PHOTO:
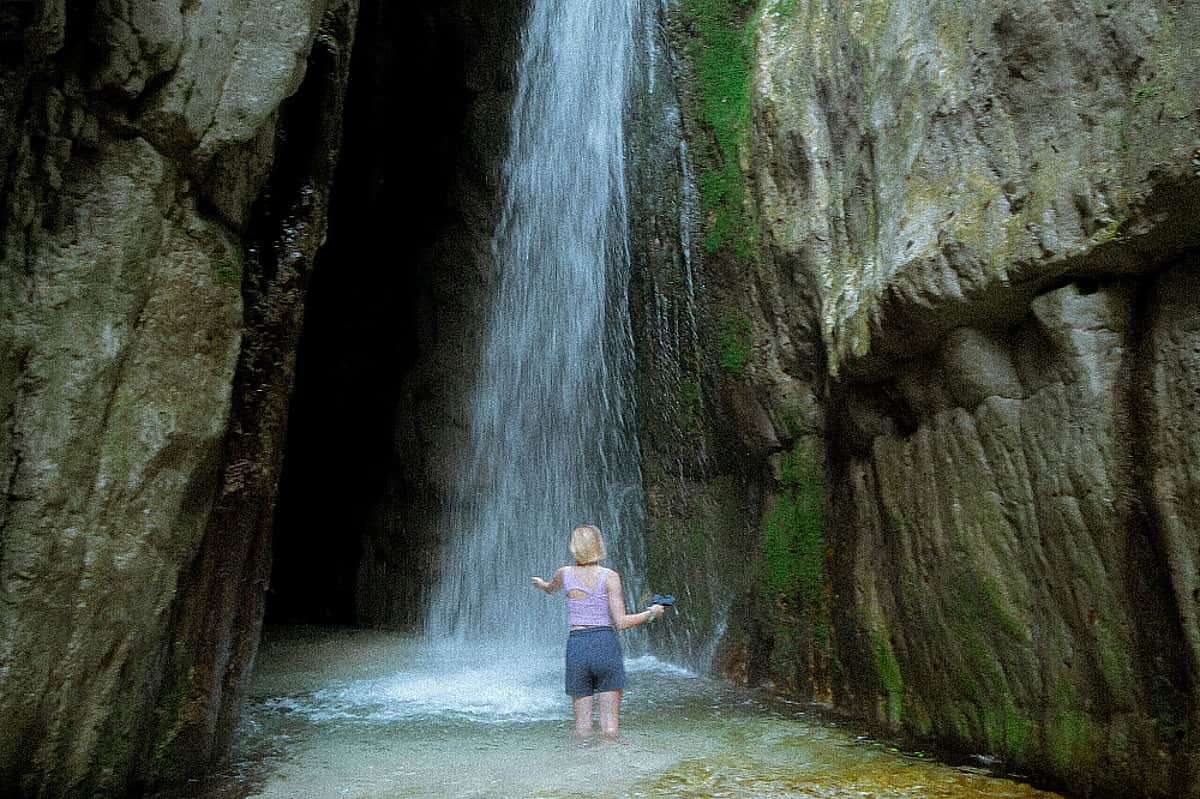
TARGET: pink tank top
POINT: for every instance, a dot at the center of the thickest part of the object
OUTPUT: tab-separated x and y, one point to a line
592	611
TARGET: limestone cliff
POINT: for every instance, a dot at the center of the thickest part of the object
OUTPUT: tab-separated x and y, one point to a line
163	179
949	252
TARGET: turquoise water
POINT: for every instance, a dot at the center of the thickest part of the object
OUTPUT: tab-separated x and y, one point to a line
371	715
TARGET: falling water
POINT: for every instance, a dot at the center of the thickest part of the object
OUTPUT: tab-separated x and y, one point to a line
552	437
379	715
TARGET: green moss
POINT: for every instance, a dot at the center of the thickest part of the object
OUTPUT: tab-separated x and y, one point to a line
1145	92
793	425
1019	730
1006	730
227	273
997	609
722	54
1074	743
794	539
983	631
1114	665
734	340
791	592
1110	231
692	406
917	718
887	669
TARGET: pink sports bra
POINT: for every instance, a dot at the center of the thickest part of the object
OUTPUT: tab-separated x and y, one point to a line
592	610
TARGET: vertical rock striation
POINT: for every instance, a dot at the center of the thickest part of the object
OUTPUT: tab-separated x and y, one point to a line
982	217
151	293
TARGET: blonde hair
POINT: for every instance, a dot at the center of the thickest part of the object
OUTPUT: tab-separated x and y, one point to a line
586	544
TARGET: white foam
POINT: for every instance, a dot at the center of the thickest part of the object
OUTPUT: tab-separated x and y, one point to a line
439	684
649	663
498	691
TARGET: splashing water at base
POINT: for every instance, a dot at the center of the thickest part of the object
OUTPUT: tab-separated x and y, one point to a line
376	716
551	439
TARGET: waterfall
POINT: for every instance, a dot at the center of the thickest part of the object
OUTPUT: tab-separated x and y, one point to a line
552	439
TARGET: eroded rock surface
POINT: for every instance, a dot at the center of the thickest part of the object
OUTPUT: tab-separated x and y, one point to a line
996	204
135	311
967	315
937	163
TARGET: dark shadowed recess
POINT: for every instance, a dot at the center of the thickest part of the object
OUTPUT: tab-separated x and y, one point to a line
391	197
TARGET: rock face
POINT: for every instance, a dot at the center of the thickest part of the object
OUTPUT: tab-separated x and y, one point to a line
982	218
914	317
151	293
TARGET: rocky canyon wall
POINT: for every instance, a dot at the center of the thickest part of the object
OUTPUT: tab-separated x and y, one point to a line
915	323
949	336
164	176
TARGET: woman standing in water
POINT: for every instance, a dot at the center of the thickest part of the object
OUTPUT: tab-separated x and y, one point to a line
595	665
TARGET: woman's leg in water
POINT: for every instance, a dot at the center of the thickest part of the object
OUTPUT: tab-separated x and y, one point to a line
583	716
610	714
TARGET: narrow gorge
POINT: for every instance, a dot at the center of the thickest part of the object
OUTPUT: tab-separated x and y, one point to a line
896	364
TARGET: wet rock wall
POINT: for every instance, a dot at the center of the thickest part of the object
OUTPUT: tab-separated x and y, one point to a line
948	324
165	174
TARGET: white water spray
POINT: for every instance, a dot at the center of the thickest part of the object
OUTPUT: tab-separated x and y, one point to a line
552	441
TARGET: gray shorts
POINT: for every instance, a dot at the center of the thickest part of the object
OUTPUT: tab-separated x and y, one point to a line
594	662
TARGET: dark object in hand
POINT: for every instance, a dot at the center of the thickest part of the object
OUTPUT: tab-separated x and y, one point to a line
665	601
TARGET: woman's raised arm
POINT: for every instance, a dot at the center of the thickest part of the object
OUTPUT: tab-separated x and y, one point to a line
554	585
616	607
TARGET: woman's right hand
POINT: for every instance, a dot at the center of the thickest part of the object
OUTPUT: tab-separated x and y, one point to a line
656	611
550	586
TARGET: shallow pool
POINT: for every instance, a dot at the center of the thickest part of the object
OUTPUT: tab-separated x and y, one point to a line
370	715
